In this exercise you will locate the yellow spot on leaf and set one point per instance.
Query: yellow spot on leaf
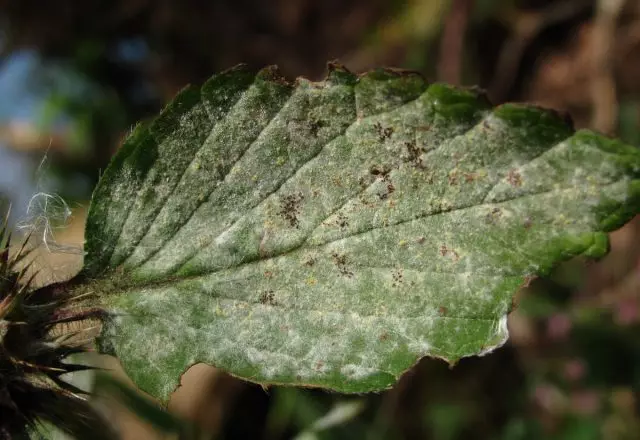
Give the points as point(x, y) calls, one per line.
point(311, 281)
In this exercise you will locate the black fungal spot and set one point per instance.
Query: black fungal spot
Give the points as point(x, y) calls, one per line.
point(290, 208)
point(398, 277)
point(340, 260)
point(389, 190)
point(309, 262)
point(445, 251)
point(493, 215)
point(384, 133)
point(469, 177)
point(315, 126)
point(453, 178)
point(267, 298)
point(380, 170)
point(413, 154)
point(514, 178)
point(342, 221)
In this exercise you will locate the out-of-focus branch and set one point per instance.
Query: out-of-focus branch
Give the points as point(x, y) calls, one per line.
point(23, 136)
point(452, 43)
point(602, 86)
point(524, 27)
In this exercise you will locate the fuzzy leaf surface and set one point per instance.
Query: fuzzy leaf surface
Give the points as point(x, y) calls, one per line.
point(331, 234)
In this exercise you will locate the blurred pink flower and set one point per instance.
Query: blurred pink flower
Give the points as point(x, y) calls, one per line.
point(574, 370)
point(585, 402)
point(626, 311)
point(558, 326)
point(549, 398)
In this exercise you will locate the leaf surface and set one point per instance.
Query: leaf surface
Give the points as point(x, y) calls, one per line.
point(331, 234)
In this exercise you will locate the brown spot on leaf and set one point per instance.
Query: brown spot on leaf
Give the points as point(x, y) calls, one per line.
point(268, 274)
point(383, 337)
point(384, 133)
point(315, 126)
point(469, 177)
point(268, 298)
point(514, 178)
point(290, 208)
point(453, 178)
point(493, 215)
point(445, 251)
point(390, 190)
point(319, 365)
point(413, 154)
point(342, 221)
point(442, 311)
point(380, 170)
point(340, 260)
point(398, 277)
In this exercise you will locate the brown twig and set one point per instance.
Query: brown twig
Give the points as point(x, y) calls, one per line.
point(451, 45)
point(602, 85)
point(525, 26)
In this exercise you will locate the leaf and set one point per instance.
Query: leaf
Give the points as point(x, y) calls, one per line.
point(331, 234)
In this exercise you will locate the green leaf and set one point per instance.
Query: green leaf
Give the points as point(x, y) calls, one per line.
point(331, 234)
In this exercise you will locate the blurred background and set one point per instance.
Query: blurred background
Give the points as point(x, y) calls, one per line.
point(75, 76)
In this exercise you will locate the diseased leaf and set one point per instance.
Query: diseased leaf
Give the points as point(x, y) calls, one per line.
point(331, 234)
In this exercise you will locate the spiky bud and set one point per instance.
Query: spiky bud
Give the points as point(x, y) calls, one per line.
point(36, 341)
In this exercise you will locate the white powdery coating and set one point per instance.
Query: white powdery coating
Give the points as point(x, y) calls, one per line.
point(336, 251)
